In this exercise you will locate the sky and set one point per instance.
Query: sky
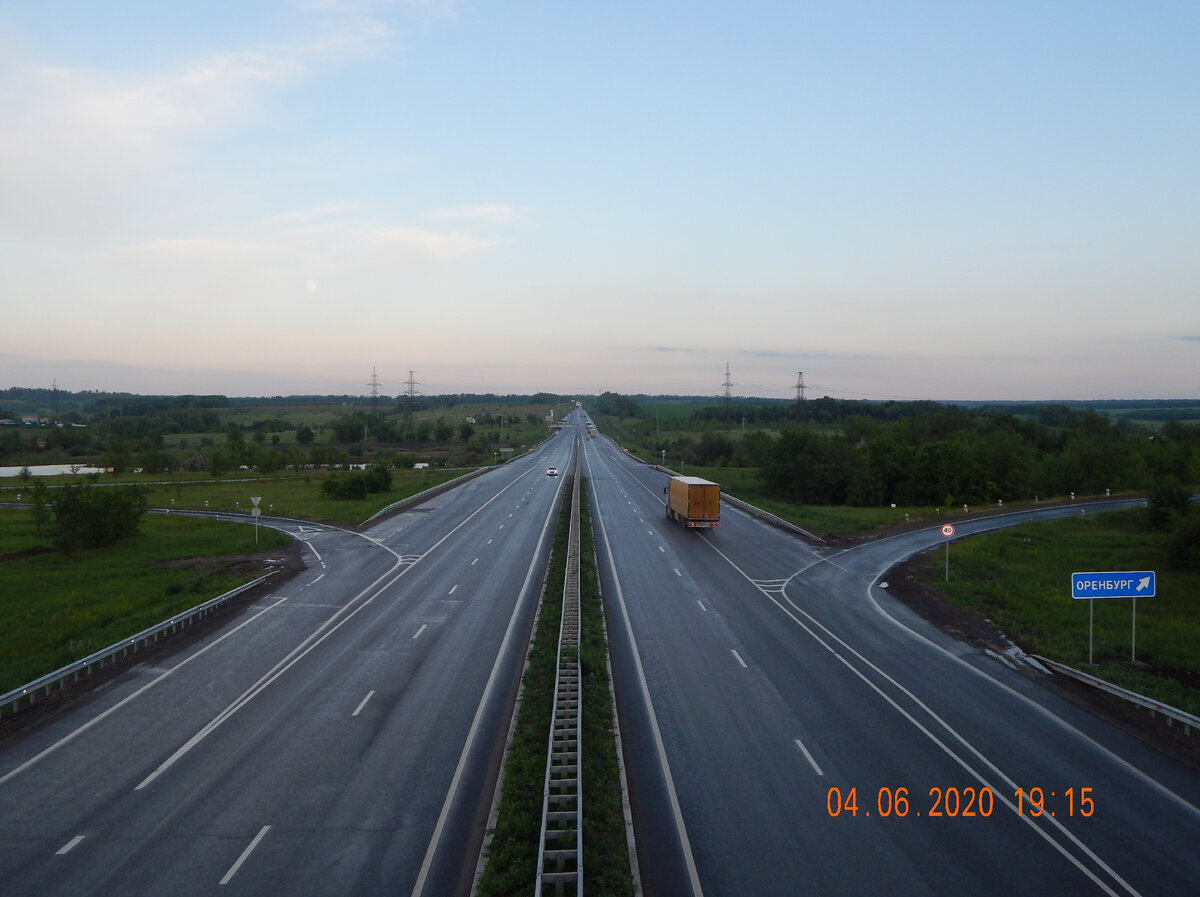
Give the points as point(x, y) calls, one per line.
point(920, 200)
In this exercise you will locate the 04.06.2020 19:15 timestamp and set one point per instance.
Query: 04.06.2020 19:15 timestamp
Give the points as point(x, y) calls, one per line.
point(961, 802)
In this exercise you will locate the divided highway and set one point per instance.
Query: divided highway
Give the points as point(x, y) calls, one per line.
point(342, 736)
point(755, 673)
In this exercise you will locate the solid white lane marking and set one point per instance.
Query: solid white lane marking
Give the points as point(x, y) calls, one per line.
point(317, 580)
point(689, 858)
point(417, 634)
point(69, 846)
point(476, 724)
point(809, 757)
point(66, 739)
point(233, 870)
point(362, 703)
point(738, 658)
point(1029, 820)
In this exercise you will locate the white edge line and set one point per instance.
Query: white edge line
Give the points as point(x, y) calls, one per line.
point(66, 739)
point(1031, 821)
point(660, 747)
point(469, 745)
point(233, 870)
point(738, 658)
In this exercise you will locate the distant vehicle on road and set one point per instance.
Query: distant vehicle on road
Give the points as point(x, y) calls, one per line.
point(693, 501)
point(551, 471)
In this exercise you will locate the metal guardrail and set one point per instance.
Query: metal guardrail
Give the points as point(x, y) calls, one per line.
point(27, 694)
point(560, 860)
point(425, 494)
point(1171, 713)
point(770, 518)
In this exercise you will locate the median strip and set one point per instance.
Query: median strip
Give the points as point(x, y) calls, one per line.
point(512, 852)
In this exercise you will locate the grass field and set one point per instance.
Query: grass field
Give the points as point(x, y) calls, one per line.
point(57, 609)
point(286, 493)
point(1020, 579)
point(295, 494)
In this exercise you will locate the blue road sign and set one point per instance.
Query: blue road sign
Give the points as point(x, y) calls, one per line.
point(1136, 584)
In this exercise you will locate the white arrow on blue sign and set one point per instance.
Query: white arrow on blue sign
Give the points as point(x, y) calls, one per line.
point(1128, 584)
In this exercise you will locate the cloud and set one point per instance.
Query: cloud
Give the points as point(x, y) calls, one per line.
point(418, 242)
point(84, 150)
point(497, 213)
point(1189, 339)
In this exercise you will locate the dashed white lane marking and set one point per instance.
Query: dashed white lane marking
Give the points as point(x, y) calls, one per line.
point(363, 703)
point(69, 846)
point(233, 870)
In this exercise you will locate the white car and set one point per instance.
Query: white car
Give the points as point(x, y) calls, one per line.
point(551, 471)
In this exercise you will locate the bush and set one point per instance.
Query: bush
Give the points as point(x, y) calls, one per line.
point(356, 484)
point(87, 516)
point(1184, 551)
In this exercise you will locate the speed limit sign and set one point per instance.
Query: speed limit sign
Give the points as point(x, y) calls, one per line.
point(948, 530)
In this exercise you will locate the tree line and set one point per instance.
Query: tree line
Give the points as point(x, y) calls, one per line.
point(924, 453)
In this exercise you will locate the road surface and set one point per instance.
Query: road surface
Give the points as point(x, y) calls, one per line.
point(755, 673)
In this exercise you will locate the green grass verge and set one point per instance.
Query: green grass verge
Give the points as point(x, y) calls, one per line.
point(57, 609)
point(824, 520)
point(512, 855)
point(1020, 577)
point(287, 493)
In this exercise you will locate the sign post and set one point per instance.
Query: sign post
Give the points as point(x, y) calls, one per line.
point(1129, 584)
point(256, 512)
point(948, 531)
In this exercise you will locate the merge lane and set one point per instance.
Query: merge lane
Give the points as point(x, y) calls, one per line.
point(829, 683)
point(337, 770)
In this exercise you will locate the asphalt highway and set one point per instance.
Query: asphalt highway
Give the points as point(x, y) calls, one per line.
point(342, 736)
point(755, 673)
point(787, 727)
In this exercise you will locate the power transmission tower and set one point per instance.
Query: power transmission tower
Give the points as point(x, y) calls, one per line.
point(412, 390)
point(374, 384)
point(799, 387)
point(728, 385)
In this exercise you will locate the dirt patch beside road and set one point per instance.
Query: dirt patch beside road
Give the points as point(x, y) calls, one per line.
point(971, 627)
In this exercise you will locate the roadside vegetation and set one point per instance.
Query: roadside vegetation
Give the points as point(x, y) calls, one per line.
point(60, 607)
point(1020, 579)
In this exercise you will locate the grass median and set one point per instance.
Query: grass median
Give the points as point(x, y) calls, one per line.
point(513, 851)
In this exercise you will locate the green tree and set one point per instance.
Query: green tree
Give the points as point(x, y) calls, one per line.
point(87, 516)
